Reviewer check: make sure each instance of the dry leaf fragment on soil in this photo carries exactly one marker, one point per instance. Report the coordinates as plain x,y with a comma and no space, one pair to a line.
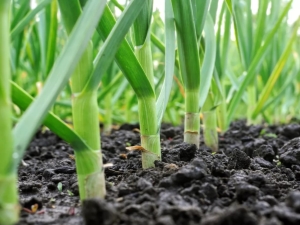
123,156
136,130
171,166
136,148
33,209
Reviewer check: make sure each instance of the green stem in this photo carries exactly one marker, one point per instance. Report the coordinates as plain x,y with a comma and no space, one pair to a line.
210,123
128,113
210,130
90,174
192,118
222,111
150,138
221,116
251,102
9,207
89,165
108,114
107,81
144,55
52,36
86,125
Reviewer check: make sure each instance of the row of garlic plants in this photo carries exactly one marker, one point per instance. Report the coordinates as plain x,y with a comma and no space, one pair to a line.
89,61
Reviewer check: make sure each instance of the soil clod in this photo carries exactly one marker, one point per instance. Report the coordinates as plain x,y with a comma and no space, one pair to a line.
252,180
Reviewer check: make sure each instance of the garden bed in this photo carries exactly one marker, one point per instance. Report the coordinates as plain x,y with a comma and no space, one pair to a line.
244,184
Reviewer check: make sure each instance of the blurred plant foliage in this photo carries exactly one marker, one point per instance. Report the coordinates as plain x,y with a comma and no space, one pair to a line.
242,72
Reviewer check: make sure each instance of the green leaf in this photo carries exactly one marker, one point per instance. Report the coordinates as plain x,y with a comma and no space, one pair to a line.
276,73
142,24
187,44
26,20
110,86
112,43
51,47
242,17
280,94
47,32
213,9
117,4
23,100
125,59
70,12
70,193
120,91
200,9
19,11
209,60
223,41
259,56
261,24
59,186
163,98
161,47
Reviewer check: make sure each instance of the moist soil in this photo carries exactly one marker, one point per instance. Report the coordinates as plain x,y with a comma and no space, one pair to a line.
253,179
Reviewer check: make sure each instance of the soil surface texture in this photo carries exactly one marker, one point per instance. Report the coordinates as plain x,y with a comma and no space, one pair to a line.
253,180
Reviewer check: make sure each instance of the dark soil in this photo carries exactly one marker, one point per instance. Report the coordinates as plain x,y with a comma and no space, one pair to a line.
254,179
